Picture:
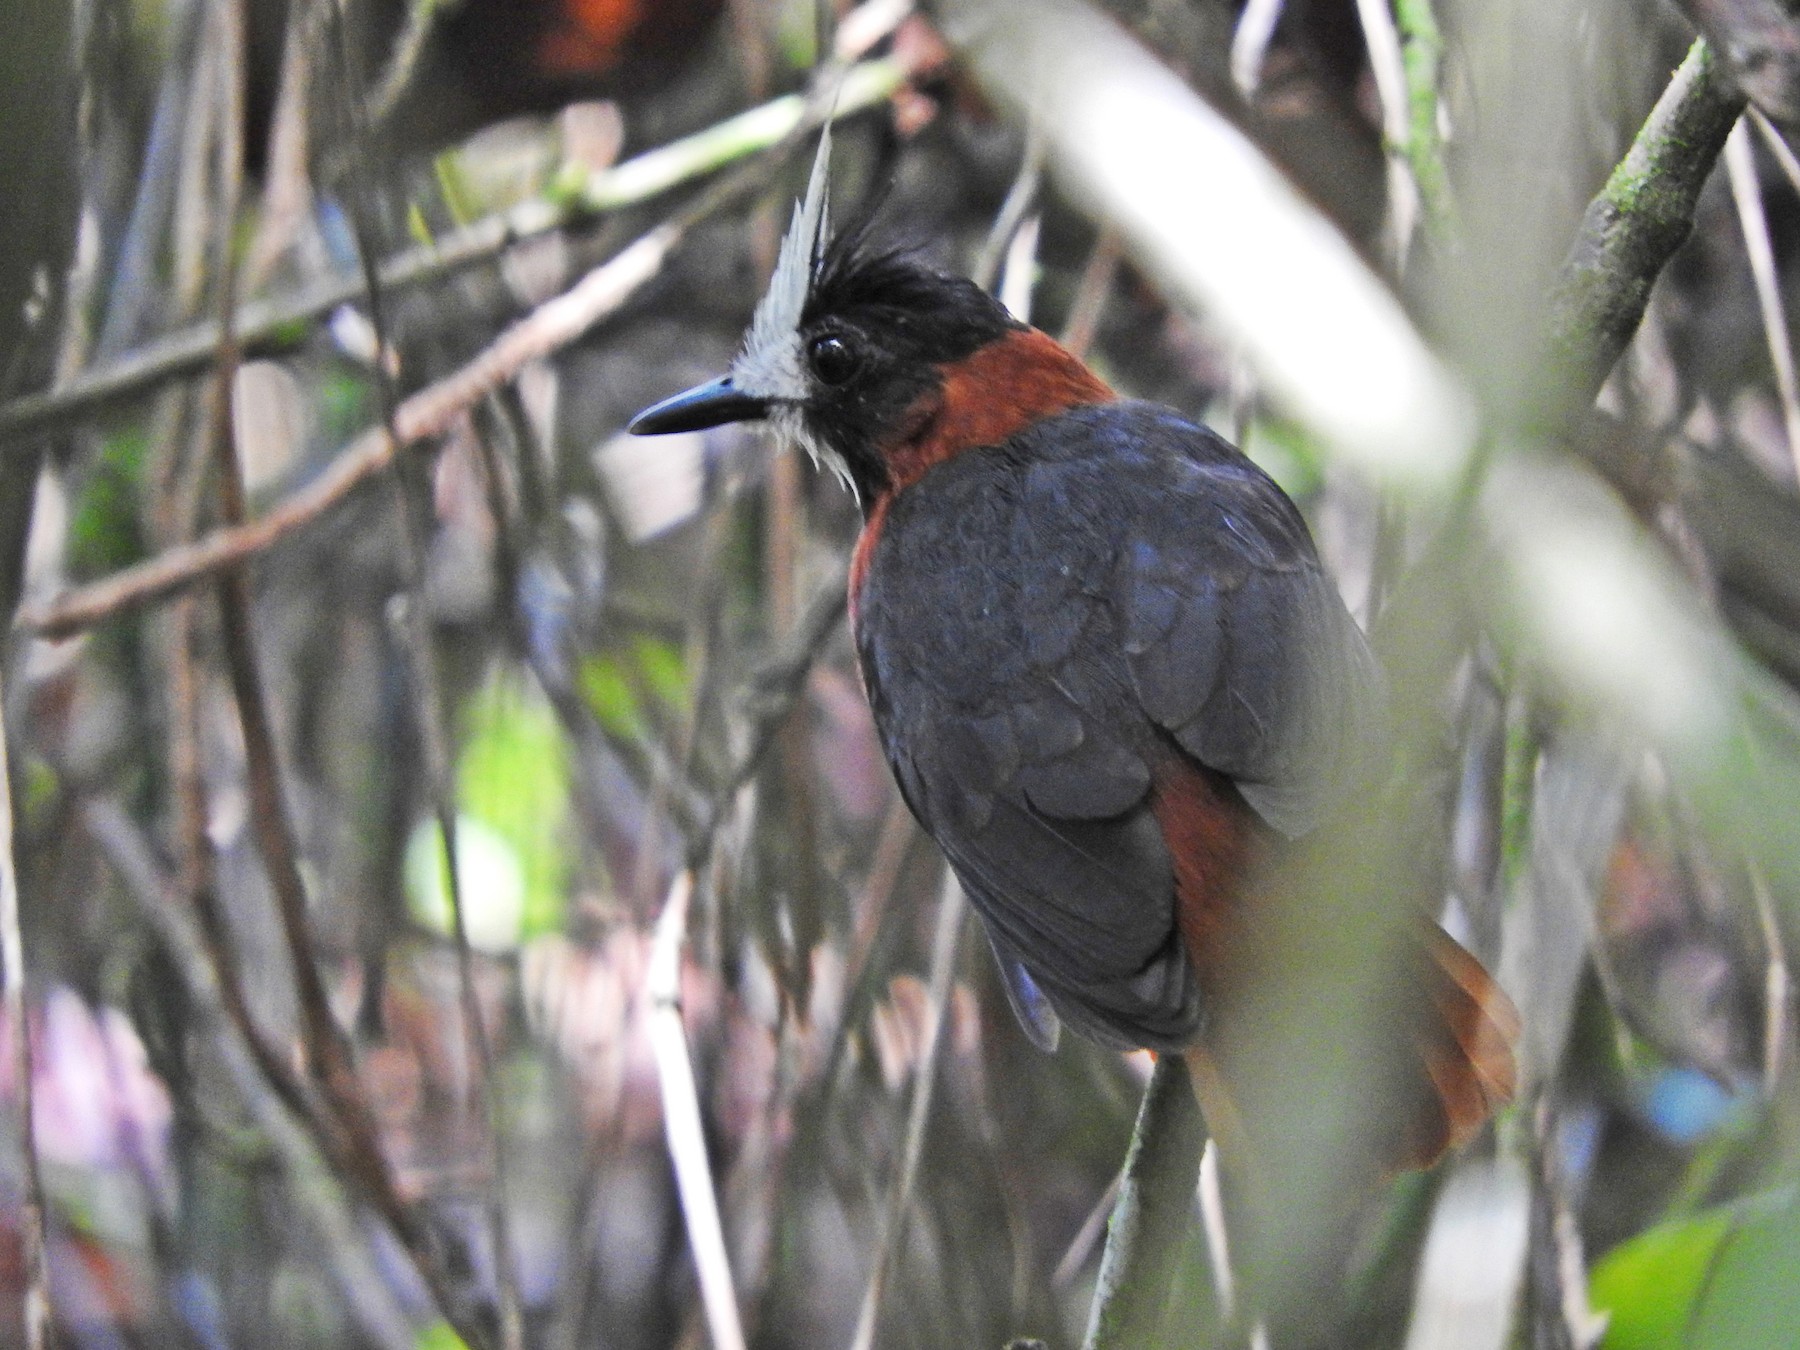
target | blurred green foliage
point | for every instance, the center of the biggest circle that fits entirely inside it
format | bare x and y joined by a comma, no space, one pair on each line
1723,1279
105,533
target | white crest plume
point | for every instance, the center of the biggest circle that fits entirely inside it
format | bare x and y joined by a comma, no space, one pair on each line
770,365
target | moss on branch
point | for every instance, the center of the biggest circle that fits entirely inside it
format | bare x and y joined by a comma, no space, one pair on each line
1633,227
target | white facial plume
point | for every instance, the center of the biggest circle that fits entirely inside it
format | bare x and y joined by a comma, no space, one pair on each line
772,364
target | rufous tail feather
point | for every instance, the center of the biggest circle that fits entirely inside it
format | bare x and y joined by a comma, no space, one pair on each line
1467,1045
1463,1029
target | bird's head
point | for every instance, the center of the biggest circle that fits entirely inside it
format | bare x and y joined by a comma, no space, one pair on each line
875,363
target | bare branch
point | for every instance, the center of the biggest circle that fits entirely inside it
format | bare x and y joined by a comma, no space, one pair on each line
1250,43
1153,1216
1388,65
1634,226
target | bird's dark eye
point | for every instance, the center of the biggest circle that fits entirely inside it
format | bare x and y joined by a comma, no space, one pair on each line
832,359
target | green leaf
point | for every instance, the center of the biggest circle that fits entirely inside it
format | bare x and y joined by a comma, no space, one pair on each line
1650,1285
40,790
1285,452
104,533
1750,1303
492,877
439,1336
664,670
344,406
607,689
1721,1280
514,777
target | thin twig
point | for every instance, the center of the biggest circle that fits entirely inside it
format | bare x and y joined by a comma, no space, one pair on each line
287,186
440,773
1019,199
1585,1326
131,284
268,326
18,1031
682,1123
325,1052
670,774
1212,1227
952,911
1250,44
1086,1238
1019,280
1091,292
898,831
1746,193
422,18
1778,146
1388,65
1777,983
772,688
872,908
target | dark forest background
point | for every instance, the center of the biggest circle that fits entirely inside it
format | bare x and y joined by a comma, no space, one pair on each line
319,323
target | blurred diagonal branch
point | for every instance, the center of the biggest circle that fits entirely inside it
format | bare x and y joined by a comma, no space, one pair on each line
1328,338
